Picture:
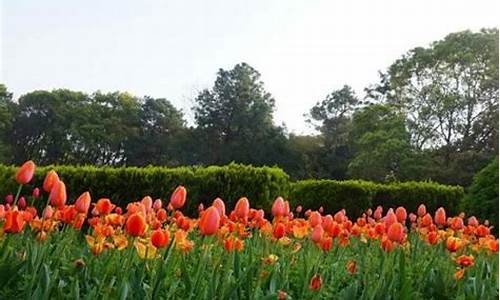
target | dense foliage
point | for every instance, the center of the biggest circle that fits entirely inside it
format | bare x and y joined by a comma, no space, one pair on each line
355,196
260,184
433,116
124,185
88,249
482,197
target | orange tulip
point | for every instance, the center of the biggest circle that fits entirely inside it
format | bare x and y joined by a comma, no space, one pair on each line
160,238
136,225
482,231
396,232
440,217
421,211
58,194
433,238
104,206
326,244
351,266
82,204
459,274
14,221
453,244
278,209
390,218
221,207
210,221
465,260
178,197
316,282
50,179
493,245
386,244
25,172
315,219
401,214
242,208
426,220
317,234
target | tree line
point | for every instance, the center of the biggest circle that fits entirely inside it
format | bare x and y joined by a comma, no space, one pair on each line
433,115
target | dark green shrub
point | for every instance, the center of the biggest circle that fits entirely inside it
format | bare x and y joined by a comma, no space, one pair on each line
356,196
482,197
260,184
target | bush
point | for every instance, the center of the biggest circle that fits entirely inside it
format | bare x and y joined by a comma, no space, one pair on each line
356,196
482,197
123,185
260,184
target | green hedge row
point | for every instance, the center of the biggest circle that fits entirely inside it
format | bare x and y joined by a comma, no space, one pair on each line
357,195
260,184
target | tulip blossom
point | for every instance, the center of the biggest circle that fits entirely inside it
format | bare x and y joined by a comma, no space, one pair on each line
25,172
178,197
209,221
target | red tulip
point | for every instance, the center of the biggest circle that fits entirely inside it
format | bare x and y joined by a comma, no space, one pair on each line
315,283
157,204
50,179
21,202
36,193
178,197
279,231
210,221
25,172
9,199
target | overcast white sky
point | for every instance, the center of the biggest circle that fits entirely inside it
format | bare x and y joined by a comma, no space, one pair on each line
172,49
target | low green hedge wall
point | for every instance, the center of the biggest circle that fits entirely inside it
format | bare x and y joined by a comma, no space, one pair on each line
357,195
260,184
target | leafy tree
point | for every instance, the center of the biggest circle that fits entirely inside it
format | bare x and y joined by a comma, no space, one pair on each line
382,144
449,91
482,197
6,111
161,125
332,117
235,121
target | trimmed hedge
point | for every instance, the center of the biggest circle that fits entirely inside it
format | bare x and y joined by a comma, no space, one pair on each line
357,195
122,185
260,184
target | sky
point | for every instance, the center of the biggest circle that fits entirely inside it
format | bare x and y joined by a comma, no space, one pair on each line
172,49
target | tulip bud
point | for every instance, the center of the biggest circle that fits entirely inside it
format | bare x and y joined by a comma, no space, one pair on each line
22,203
9,199
157,204
36,193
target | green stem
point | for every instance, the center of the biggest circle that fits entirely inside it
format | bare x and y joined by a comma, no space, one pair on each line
17,195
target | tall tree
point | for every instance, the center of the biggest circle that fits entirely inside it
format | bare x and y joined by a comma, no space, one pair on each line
235,121
449,91
382,144
332,117
7,108
161,125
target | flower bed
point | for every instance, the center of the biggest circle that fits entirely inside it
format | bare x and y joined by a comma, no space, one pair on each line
151,250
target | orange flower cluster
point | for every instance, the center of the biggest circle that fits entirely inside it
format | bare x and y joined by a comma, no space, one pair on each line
150,225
